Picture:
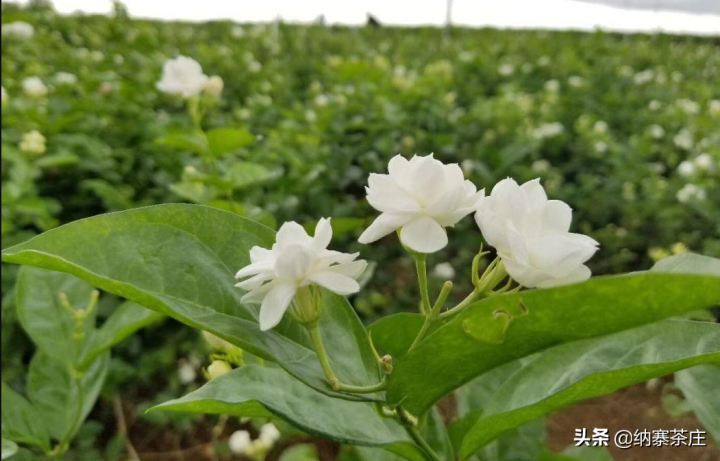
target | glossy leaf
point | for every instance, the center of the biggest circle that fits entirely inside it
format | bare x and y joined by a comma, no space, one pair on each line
300,452
181,260
502,328
524,443
21,421
126,320
395,333
42,316
584,369
64,402
9,448
700,387
227,140
254,391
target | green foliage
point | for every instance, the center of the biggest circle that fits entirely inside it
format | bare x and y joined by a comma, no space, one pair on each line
9,448
699,386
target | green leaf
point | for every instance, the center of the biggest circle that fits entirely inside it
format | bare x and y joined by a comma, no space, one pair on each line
9,448
180,260
584,369
126,320
700,387
394,334
42,316
478,340
581,453
224,141
260,392
21,421
688,263
63,401
193,142
524,443
301,452
243,175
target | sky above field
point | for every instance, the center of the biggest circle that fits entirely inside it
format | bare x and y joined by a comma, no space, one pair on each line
553,14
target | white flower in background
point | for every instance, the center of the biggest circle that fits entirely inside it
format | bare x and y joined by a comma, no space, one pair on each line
688,106
322,100
714,106
33,143
576,81
5,97
543,61
182,76
34,86
691,192
186,373
269,434
506,70
65,78
214,86
704,162
684,139
657,132
601,147
644,77
687,169
600,127
532,235
468,166
296,260
18,29
552,86
218,368
540,166
421,197
444,271
654,105
240,442
548,130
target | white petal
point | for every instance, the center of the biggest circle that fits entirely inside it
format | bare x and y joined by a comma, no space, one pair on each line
534,193
294,262
353,269
557,216
257,295
580,274
424,235
275,304
258,254
254,282
336,282
323,234
292,233
255,268
398,166
383,225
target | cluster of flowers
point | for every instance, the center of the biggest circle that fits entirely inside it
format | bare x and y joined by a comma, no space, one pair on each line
241,443
420,198
184,76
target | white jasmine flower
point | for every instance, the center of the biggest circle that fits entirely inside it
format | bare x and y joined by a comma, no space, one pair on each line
444,271
296,260
687,169
506,70
240,442
218,368
691,192
321,100
544,61
689,106
600,127
269,434
34,86
714,106
540,166
182,76
5,96
548,130
552,86
704,162
33,143
421,197
187,373
644,77
656,131
65,78
18,29
576,81
532,237
684,139
601,147
654,105
468,166
214,86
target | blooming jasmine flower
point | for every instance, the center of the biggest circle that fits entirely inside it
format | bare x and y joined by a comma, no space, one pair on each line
444,271
18,29
182,76
532,235
420,197
33,86
296,260
704,162
33,143
686,169
240,442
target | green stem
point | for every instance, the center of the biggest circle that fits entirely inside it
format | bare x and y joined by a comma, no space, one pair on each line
434,314
421,266
471,298
317,341
410,425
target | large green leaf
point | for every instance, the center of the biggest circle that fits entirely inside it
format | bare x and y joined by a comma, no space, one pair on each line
584,369
64,401
254,391
502,328
42,316
688,263
395,333
700,387
222,141
181,260
126,320
9,448
21,421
